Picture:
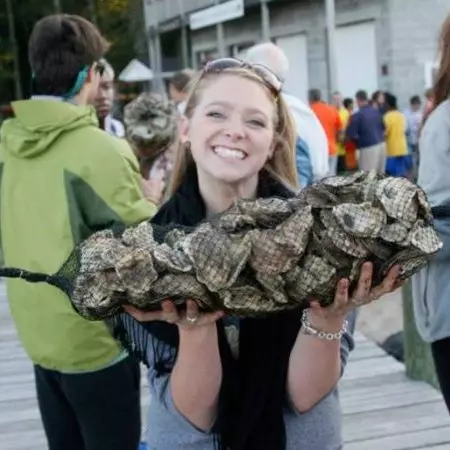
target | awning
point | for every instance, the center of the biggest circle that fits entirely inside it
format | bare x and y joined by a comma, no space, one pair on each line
136,72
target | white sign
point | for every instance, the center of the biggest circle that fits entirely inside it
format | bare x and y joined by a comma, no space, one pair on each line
230,10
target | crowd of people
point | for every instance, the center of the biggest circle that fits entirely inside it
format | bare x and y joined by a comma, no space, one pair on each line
364,133
228,131
374,135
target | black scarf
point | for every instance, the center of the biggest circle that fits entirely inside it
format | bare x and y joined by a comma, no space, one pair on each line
253,391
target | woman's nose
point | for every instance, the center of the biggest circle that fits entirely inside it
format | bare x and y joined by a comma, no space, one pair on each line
235,129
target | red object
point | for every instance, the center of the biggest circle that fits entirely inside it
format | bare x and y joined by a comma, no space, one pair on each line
350,155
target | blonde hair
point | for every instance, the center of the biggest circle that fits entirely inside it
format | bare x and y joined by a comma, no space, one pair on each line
282,164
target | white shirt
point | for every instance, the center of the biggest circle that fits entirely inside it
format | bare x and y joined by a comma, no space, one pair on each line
181,107
311,131
114,127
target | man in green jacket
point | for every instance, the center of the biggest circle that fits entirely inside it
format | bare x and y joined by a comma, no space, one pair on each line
61,179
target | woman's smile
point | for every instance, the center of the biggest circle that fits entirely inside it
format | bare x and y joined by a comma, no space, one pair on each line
229,153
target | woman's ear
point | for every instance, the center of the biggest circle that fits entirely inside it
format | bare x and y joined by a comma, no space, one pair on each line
183,129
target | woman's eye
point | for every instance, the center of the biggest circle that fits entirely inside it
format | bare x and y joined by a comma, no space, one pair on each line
215,115
257,123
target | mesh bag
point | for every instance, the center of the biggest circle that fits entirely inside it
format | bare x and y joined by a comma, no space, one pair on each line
259,256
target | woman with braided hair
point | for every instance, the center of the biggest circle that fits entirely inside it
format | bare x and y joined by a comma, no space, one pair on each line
247,384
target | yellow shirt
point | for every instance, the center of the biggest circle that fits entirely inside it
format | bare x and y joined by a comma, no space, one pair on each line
395,123
345,116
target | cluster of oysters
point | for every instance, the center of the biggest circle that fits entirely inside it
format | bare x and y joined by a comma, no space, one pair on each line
262,256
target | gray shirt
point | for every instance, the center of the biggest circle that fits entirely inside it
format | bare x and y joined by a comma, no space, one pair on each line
318,429
431,288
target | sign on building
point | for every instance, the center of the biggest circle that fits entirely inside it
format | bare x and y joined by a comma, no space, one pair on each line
223,12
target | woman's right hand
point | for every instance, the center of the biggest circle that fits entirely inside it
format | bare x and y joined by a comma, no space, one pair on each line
188,319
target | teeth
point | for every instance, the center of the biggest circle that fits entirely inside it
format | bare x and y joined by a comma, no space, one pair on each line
226,152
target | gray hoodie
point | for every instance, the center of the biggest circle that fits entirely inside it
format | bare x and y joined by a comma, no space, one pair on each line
431,286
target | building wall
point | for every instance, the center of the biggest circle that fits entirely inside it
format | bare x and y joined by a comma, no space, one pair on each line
165,10
306,16
415,26
406,34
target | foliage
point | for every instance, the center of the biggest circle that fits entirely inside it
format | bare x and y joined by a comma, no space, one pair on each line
119,20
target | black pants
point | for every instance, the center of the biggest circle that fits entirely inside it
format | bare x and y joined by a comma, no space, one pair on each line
441,355
92,411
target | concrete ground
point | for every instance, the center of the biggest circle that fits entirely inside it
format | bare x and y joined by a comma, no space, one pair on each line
382,318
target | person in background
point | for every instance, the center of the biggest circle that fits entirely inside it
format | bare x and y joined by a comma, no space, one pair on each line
378,101
344,114
151,123
311,144
431,286
63,179
331,123
179,88
366,131
398,159
104,102
351,160
414,119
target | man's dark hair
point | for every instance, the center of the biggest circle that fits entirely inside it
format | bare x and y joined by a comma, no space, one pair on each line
415,100
362,96
181,80
391,100
314,95
60,47
347,102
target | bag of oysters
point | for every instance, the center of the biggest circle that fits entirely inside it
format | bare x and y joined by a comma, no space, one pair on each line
258,257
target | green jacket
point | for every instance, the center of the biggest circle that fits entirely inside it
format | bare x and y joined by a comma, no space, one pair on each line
61,179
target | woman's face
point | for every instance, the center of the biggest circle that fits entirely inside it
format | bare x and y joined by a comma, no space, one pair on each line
231,130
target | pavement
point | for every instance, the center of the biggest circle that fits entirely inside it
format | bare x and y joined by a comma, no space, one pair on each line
382,318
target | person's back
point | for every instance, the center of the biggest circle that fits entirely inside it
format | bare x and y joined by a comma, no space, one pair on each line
55,166
366,131
399,162
61,179
395,123
331,122
371,130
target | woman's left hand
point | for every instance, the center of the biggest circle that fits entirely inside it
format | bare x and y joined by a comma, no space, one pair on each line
364,293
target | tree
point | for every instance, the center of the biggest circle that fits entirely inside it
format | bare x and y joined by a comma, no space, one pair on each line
120,21
14,48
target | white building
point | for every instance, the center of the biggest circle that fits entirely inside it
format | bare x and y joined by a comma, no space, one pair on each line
379,44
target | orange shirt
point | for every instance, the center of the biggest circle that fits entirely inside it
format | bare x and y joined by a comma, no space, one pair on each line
331,122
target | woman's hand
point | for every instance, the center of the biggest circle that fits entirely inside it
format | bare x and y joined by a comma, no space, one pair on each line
335,314
191,318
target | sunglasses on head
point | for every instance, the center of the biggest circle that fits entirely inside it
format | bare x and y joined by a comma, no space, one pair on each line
269,78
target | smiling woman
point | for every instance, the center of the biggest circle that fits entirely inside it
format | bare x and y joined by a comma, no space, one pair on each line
215,381
232,130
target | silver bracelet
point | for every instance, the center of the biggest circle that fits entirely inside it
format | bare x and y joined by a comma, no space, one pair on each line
308,329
